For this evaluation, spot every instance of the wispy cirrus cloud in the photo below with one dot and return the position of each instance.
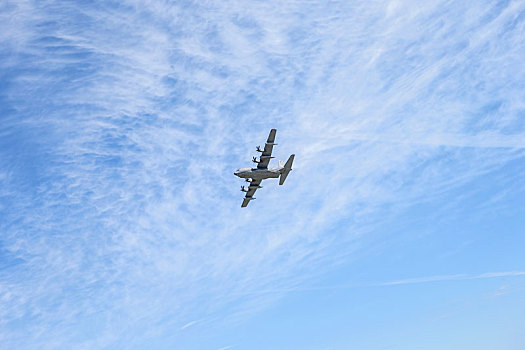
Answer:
(121, 124)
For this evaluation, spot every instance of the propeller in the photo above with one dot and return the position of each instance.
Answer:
(255, 160)
(248, 180)
(258, 149)
(243, 189)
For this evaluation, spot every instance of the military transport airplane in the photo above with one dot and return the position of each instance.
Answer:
(255, 175)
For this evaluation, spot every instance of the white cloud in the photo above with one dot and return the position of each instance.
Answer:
(136, 115)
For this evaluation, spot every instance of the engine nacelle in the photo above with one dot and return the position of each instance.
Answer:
(258, 149)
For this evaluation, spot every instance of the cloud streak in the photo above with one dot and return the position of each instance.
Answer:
(189, 324)
(408, 281)
(458, 277)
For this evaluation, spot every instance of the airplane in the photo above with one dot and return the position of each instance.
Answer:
(254, 176)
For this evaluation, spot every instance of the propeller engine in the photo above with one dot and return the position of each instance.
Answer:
(258, 149)
(255, 160)
(243, 189)
(248, 180)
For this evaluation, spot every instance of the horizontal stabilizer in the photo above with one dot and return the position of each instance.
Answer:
(286, 170)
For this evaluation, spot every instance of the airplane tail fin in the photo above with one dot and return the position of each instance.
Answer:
(286, 170)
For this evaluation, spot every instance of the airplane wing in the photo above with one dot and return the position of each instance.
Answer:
(254, 185)
(266, 155)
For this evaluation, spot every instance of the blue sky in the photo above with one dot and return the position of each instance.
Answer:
(401, 227)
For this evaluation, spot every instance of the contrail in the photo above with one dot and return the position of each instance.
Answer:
(189, 324)
(418, 280)
(450, 278)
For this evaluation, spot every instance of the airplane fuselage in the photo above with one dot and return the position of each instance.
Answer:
(258, 174)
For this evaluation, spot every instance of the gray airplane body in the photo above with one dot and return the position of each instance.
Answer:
(255, 175)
